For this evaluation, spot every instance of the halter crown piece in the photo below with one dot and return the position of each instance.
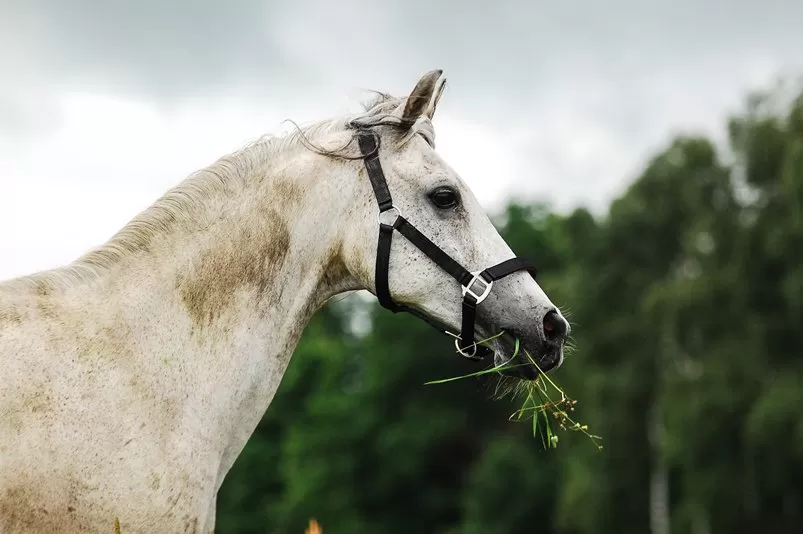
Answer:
(476, 286)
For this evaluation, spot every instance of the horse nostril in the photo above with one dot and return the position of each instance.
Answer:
(555, 326)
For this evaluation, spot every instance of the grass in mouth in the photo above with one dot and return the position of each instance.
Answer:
(545, 403)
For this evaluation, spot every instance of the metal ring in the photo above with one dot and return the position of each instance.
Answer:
(389, 210)
(472, 355)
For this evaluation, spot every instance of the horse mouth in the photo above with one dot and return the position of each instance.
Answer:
(519, 360)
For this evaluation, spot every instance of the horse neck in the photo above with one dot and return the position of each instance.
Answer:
(217, 305)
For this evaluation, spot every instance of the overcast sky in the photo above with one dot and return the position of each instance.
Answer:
(106, 104)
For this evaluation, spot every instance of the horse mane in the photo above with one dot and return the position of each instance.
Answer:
(225, 176)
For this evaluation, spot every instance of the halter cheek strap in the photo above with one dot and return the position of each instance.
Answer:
(476, 286)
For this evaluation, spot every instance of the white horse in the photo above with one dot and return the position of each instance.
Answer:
(131, 379)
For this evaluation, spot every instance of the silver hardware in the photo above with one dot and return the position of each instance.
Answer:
(470, 355)
(390, 210)
(482, 296)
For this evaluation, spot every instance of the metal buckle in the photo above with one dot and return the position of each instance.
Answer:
(389, 210)
(482, 296)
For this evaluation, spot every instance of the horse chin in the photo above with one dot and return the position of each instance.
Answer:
(525, 363)
(527, 372)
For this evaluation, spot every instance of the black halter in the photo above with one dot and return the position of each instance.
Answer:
(471, 297)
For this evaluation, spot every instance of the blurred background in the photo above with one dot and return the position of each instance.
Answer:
(647, 154)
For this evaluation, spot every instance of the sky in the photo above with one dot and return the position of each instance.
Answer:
(104, 105)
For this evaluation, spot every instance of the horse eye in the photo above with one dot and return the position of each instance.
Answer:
(444, 197)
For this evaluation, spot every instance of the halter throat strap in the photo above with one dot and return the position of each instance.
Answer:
(475, 286)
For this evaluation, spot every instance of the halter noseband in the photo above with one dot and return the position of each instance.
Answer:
(390, 219)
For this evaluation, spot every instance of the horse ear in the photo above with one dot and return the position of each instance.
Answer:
(420, 101)
(438, 92)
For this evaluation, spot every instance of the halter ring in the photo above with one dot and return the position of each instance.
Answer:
(389, 210)
(470, 355)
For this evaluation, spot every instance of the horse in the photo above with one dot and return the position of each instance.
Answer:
(133, 377)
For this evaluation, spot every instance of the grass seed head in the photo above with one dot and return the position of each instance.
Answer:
(542, 397)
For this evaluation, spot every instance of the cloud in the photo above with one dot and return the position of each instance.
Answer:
(158, 48)
(102, 102)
